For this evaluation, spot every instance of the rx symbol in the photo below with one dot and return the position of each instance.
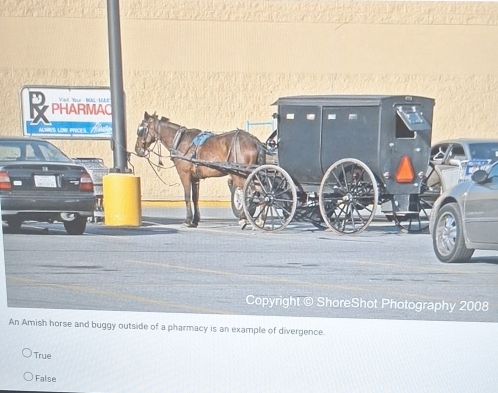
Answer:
(36, 108)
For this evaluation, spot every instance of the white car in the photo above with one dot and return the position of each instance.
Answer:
(452, 161)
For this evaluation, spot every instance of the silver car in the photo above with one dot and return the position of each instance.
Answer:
(451, 160)
(465, 217)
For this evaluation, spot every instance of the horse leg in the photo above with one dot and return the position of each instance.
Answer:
(187, 188)
(256, 206)
(195, 199)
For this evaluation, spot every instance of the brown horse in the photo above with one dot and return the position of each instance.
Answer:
(188, 153)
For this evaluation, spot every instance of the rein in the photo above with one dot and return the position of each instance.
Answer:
(156, 167)
(156, 147)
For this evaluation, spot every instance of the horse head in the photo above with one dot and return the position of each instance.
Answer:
(147, 134)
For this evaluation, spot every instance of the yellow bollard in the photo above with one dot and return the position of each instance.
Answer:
(122, 202)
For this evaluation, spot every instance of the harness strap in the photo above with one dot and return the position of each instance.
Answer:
(176, 140)
(235, 140)
(198, 141)
(202, 137)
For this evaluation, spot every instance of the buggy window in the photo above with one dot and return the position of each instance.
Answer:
(409, 119)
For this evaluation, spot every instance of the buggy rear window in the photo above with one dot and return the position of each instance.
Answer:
(411, 120)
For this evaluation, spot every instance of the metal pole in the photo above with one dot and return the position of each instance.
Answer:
(117, 91)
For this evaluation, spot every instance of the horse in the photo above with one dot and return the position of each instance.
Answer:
(190, 147)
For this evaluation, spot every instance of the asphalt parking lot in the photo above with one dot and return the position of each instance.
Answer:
(163, 266)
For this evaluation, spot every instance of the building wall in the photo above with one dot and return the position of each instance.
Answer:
(216, 64)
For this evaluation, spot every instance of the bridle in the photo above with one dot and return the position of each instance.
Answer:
(149, 126)
(143, 132)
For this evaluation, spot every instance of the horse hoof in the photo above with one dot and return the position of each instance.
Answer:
(243, 224)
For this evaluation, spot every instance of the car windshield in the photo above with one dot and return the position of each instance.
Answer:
(30, 150)
(484, 151)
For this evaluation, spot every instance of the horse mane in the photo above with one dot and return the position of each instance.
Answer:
(166, 121)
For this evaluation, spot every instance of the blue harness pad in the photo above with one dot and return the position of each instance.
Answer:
(201, 138)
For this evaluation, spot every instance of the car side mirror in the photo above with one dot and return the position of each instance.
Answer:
(479, 176)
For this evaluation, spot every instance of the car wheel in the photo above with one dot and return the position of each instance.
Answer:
(76, 226)
(447, 238)
(14, 224)
(237, 197)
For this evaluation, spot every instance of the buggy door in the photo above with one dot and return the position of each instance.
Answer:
(350, 132)
(299, 142)
(411, 139)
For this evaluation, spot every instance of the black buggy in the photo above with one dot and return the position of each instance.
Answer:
(341, 159)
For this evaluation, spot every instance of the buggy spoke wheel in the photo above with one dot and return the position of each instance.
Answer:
(270, 198)
(348, 196)
(432, 186)
(414, 222)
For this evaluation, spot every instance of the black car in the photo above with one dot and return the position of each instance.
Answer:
(40, 183)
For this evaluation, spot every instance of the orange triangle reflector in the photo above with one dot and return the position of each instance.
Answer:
(405, 172)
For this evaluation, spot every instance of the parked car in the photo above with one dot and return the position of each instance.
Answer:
(451, 161)
(465, 217)
(40, 183)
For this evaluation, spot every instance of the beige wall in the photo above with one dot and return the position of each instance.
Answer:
(216, 64)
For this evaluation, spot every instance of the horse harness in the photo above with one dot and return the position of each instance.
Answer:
(198, 141)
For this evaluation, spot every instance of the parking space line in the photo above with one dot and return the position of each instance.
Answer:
(117, 295)
(415, 268)
(274, 279)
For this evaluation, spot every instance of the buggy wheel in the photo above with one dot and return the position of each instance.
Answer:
(414, 222)
(348, 196)
(14, 223)
(270, 198)
(316, 218)
(431, 188)
(308, 210)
